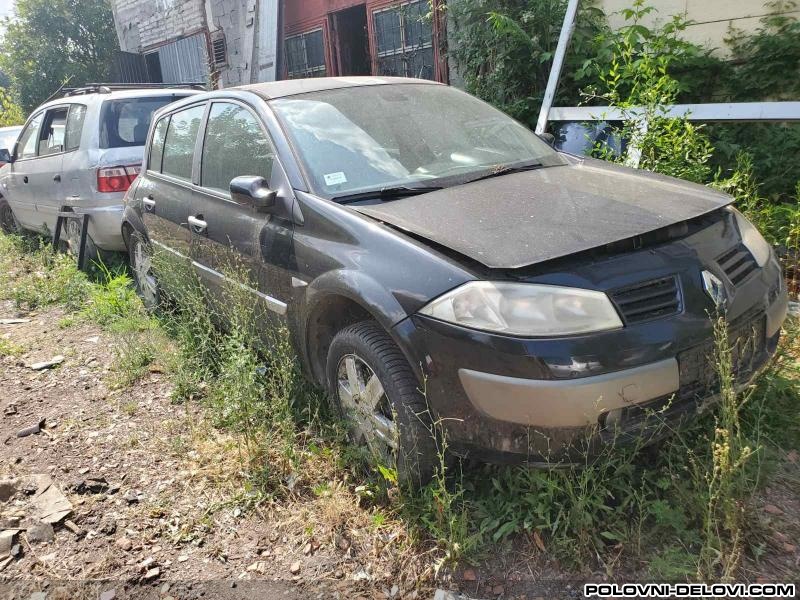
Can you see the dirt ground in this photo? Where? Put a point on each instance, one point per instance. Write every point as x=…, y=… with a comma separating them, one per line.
x=145, y=518
x=150, y=516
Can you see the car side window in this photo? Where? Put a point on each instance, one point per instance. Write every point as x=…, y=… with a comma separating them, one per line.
x=28, y=141
x=234, y=145
x=51, y=139
x=75, y=119
x=157, y=145
x=180, y=141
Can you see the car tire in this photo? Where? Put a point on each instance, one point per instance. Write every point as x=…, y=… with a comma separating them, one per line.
x=71, y=243
x=8, y=222
x=140, y=255
x=400, y=412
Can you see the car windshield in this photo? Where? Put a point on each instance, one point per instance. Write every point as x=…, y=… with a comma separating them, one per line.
x=360, y=139
x=125, y=123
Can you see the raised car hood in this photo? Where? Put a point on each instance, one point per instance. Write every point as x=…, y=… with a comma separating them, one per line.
x=530, y=217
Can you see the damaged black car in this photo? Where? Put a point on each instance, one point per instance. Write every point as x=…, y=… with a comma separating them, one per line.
x=438, y=263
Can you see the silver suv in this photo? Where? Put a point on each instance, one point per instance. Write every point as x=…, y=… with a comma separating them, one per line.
x=80, y=153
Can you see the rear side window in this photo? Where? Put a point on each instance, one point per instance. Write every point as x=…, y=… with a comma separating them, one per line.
x=125, y=123
x=157, y=146
x=234, y=145
x=29, y=138
x=75, y=119
x=180, y=142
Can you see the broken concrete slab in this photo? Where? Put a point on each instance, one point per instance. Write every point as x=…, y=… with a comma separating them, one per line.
x=7, y=542
x=50, y=505
x=40, y=532
x=48, y=364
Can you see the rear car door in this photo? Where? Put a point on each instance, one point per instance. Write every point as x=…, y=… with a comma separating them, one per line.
x=20, y=197
x=166, y=191
x=232, y=240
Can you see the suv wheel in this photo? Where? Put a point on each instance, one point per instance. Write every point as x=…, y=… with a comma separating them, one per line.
x=141, y=261
x=375, y=391
x=71, y=242
x=8, y=223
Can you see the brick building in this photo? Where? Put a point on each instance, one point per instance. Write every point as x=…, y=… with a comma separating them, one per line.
x=233, y=42
x=365, y=37
x=226, y=42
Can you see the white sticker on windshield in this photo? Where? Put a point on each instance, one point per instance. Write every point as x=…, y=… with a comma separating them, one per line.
x=335, y=178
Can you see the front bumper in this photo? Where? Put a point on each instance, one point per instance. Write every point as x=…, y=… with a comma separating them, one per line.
x=509, y=399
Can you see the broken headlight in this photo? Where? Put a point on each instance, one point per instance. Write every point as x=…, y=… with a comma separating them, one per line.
x=752, y=239
x=525, y=309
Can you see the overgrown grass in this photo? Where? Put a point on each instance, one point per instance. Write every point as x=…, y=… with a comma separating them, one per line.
x=682, y=509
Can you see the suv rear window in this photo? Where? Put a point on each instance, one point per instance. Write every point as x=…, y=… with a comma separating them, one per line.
x=125, y=123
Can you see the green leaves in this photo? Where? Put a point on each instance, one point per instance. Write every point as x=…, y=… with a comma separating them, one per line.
x=55, y=41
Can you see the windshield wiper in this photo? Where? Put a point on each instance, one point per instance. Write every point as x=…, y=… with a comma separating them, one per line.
x=387, y=193
x=501, y=170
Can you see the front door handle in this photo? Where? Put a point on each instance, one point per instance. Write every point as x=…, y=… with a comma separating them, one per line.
x=25, y=179
x=149, y=204
x=197, y=224
x=57, y=178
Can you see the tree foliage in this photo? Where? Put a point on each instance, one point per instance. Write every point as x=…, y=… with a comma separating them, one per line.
x=10, y=112
x=765, y=65
x=504, y=49
x=52, y=42
x=638, y=75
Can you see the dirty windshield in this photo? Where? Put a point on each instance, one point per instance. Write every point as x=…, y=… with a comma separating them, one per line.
x=356, y=140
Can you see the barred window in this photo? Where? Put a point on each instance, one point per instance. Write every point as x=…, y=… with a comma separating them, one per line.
x=305, y=55
x=404, y=39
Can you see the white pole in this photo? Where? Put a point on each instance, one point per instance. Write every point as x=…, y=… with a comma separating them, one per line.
x=558, y=62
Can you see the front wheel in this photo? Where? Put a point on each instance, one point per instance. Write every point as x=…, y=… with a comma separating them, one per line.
x=141, y=262
x=8, y=222
x=375, y=391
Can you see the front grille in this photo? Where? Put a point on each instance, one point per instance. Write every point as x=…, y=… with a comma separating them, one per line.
x=648, y=300
x=737, y=263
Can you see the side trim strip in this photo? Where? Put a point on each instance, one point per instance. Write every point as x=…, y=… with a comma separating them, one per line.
x=273, y=304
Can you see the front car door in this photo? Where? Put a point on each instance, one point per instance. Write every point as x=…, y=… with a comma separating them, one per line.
x=166, y=192
x=45, y=171
x=233, y=242
x=20, y=196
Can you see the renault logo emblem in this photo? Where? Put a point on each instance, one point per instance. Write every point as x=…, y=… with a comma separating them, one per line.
x=715, y=289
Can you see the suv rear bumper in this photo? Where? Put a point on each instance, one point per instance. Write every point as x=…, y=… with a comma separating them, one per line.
x=105, y=226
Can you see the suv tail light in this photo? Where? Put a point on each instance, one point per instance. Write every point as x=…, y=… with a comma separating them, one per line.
x=116, y=179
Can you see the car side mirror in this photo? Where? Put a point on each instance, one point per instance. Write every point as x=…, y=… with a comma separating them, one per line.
x=549, y=138
x=253, y=190
x=5, y=156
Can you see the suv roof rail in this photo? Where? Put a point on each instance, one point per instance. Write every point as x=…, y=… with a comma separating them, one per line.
x=107, y=88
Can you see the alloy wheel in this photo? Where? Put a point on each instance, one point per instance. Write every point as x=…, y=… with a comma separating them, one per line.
x=366, y=406
x=143, y=272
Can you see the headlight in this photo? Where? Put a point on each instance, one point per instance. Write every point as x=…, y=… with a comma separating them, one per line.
x=525, y=309
x=752, y=239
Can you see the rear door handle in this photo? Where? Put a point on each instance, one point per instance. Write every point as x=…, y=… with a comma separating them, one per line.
x=198, y=225
x=57, y=178
x=25, y=179
x=149, y=204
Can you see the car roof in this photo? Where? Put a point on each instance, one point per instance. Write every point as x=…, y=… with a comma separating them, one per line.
x=120, y=95
x=292, y=87
x=6, y=130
